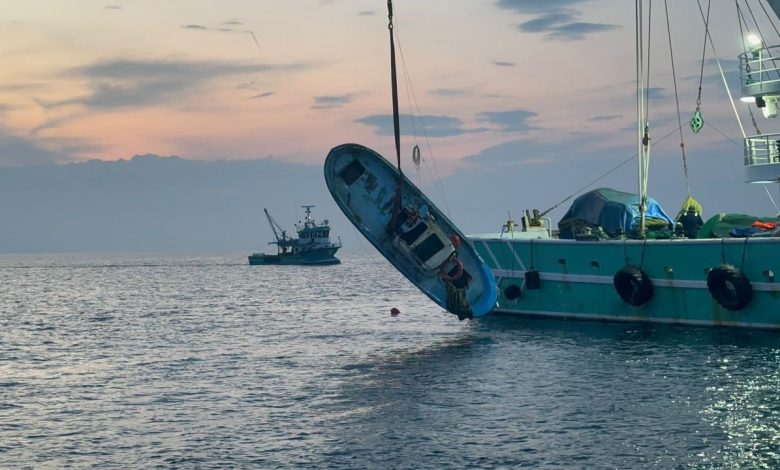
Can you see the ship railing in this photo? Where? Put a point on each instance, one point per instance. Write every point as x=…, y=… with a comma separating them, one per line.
x=762, y=149
x=759, y=70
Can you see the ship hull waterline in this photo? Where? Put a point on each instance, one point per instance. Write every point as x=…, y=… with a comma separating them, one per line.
x=310, y=258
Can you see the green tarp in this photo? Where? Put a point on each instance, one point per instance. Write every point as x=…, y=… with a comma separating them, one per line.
x=721, y=225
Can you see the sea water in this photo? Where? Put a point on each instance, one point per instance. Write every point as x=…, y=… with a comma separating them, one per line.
x=131, y=361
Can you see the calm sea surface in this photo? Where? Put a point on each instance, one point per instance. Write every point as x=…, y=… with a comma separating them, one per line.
x=179, y=362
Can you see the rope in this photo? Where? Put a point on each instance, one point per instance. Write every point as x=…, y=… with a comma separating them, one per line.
x=740, y=20
x=604, y=175
x=647, y=71
x=677, y=99
x=434, y=175
x=744, y=252
x=753, y=120
x=641, y=147
x=724, y=135
x=769, y=17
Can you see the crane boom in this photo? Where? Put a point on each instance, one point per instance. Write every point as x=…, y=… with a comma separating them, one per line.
x=274, y=226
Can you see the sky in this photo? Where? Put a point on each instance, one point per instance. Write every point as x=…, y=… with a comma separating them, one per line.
x=519, y=91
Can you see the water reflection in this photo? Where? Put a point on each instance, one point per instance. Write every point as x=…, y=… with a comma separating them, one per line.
x=511, y=391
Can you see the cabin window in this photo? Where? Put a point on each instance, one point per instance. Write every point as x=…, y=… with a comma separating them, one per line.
x=352, y=172
x=415, y=233
x=425, y=250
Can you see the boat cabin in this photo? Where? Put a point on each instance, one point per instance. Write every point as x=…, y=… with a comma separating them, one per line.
x=422, y=241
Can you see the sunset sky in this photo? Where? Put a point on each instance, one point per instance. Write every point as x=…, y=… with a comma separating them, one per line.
x=509, y=82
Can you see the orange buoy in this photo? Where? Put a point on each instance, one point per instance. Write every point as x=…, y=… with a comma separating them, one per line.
x=394, y=312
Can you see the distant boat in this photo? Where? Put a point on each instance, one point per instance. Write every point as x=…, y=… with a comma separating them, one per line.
x=312, y=247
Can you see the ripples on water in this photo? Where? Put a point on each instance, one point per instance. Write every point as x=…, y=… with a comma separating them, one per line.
x=142, y=361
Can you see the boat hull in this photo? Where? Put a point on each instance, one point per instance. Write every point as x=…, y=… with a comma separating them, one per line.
x=576, y=279
x=365, y=191
x=317, y=257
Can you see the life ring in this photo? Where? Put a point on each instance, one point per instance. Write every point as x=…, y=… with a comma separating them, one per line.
x=633, y=285
x=729, y=287
x=444, y=270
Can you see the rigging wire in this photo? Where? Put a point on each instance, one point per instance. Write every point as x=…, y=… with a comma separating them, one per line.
x=758, y=28
x=720, y=69
x=605, y=174
x=407, y=87
x=677, y=98
x=771, y=22
x=740, y=20
x=725, y=136
x=761, y=37
x=410, y=89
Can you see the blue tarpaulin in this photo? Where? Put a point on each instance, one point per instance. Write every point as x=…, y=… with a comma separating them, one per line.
x=613, y=213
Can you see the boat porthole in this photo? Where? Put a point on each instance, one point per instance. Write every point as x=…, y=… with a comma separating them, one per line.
x=513, y=292
x=729, y=287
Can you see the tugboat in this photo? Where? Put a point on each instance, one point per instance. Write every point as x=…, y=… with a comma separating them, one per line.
x=312, y=247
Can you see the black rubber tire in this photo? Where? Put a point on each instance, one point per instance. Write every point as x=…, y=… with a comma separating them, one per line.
x=633, y=286
x=513, y=292
x=729, y=287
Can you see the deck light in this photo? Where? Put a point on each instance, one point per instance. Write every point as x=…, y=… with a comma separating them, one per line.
x=754, y=40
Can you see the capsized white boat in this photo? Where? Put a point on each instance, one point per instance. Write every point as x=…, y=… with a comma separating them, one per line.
x=411, y=232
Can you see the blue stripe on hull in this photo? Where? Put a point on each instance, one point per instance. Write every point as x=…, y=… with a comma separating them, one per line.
x=576, y=279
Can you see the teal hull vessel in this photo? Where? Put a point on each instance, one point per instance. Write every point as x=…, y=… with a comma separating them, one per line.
x=577, y=279
x=323, y=256
x=312, y=247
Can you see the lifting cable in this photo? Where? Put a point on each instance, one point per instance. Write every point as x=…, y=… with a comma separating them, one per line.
x=677, y=99
x=697, y=121
x=416, y=157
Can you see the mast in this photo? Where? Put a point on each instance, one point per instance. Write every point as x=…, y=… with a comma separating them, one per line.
x=307, y=220
x=640, y=125
x=396, y=121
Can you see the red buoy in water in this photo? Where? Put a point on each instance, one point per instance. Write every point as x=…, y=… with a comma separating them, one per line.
x=394, y=312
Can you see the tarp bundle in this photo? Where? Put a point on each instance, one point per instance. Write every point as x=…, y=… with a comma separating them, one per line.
x=739, y=225
x=608, y=213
